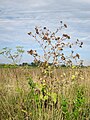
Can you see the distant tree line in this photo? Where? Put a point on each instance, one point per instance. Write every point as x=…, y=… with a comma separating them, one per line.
x=32, y=64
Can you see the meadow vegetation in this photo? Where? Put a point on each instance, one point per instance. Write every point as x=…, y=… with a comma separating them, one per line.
x=45, y=91
x=24, y=97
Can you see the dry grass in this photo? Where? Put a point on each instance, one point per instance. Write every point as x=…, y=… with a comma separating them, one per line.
x=14, y=89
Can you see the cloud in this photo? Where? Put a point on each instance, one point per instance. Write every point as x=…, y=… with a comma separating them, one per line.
x=23, y=4
x=17, y=17
x=82, y=1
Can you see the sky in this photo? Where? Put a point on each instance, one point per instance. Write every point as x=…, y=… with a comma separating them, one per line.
x=18, y=17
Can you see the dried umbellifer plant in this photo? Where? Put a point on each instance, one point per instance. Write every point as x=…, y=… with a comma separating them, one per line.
x=53, y=45
x=13, y=56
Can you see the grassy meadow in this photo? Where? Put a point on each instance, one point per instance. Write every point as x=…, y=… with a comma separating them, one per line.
x=25, y=94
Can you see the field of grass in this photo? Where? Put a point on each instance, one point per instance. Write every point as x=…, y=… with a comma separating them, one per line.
x=27, y=95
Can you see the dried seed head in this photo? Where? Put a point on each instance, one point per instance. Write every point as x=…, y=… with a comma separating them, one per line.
x=30, y=52
x=60, y=21
x=63, y=58
x=60, y=48
x=44, y=28
x=45, y=37
x=65, y=25
x=29, y=33
x=65, y=35
x=81, y=43
x=78, y=56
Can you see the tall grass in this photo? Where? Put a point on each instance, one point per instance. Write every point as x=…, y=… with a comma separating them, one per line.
x=23, y=97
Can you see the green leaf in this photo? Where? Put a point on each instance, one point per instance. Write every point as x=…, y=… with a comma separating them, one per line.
x=45, y=97
x=41, y=96
x=54, y=97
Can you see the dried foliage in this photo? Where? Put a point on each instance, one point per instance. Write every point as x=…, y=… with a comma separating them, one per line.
x=53, y=45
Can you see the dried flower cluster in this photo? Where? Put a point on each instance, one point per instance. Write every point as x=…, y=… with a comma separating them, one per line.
x=53, y=45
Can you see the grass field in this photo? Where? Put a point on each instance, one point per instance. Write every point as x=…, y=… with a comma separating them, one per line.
x=26, y=95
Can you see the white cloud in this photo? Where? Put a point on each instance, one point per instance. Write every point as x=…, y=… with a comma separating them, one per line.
x=24, y=4
x=86, y=1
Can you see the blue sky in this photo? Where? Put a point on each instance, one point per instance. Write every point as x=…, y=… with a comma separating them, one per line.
x=18, y=17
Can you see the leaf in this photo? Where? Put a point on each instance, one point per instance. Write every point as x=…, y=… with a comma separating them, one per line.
x=73, y=77
x=45, y=97
x=64, y=102
x=5, y=48
x=24, y=111
x=19, y=47
x=1, y=52
x=41, y=96
x=54, y=97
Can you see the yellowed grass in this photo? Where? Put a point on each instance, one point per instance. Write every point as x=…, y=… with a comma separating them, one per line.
x=13, y=80
x=10, y=78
